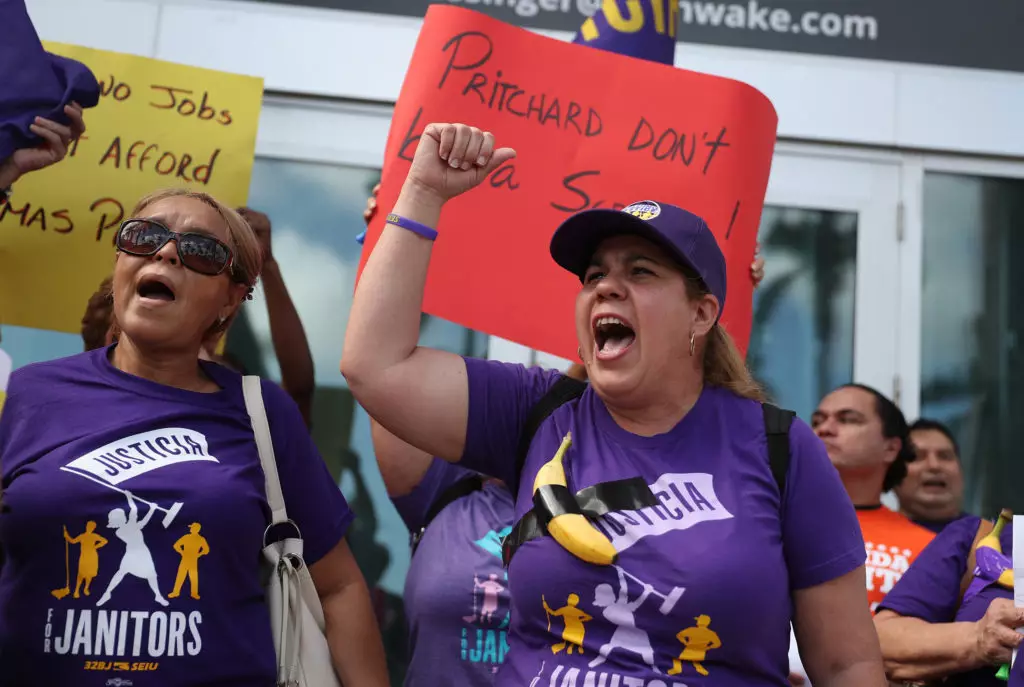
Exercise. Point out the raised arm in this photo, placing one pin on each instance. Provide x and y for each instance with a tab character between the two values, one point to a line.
145	519
402	466
418	394
639	601
286	331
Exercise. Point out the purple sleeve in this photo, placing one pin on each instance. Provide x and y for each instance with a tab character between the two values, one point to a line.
500	398
313	500
821	536
413	507
930	588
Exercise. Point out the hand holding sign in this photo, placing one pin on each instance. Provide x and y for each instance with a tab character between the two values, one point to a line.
56	140
157	124
453	158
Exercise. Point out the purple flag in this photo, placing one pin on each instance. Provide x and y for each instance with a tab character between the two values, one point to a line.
34	82
645	29
990	564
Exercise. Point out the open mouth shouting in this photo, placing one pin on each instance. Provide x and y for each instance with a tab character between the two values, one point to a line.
155	290
613	337
934	484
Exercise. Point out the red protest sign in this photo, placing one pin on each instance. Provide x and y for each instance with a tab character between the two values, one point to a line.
591	129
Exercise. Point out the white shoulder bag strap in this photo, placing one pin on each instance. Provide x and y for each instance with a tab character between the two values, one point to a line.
296	615
281	595
253	391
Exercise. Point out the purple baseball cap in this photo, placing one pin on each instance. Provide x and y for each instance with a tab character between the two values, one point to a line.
683	234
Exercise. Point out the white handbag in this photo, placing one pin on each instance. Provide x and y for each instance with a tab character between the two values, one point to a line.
296	616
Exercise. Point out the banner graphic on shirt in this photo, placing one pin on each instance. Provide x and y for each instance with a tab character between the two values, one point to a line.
591	129
686	499
101	560
141	453
158	124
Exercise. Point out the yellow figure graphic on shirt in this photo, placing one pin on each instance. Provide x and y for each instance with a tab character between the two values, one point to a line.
696	641
572	620
88	557
191	547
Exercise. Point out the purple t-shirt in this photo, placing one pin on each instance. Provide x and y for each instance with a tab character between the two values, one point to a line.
702	588
162	588
456	591
930	589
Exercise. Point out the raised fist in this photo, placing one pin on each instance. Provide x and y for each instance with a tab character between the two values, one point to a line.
453	158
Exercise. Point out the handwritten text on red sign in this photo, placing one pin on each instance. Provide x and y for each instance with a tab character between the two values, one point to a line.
591	129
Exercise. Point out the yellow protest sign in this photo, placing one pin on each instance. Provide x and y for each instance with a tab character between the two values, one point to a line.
157	124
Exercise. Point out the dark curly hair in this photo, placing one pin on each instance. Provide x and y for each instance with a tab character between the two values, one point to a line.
98	317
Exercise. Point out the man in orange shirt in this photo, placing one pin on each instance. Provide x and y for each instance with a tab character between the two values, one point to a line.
868	441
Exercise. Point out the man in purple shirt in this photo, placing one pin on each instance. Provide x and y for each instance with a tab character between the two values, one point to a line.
931	626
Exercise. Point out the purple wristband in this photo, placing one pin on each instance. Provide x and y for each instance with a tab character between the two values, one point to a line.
415	227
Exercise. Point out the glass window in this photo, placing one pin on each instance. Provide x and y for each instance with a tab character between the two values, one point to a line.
801	344
971	310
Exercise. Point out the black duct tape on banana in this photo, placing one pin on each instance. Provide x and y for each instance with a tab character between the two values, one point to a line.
552	500
594	501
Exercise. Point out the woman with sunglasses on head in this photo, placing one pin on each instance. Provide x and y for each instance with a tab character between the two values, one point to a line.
697	580
456	591
148	447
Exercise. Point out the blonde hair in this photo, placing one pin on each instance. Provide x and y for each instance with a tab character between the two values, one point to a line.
723	364
246	253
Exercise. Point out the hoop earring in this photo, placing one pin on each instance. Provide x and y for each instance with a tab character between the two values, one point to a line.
692	342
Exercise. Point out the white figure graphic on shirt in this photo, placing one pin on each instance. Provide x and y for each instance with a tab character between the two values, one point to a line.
620	612
137	560
491	589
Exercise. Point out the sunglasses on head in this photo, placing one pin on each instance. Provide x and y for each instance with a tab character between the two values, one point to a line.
197	251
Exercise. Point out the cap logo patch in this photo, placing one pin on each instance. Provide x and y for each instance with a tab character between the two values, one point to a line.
645	209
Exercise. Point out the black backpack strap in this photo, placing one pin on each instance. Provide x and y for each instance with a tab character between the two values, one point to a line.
560	393
776	427
464	487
